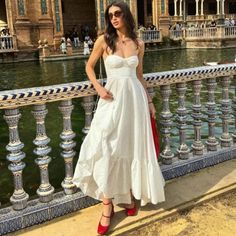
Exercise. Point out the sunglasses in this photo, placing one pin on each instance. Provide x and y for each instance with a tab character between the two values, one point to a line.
117	14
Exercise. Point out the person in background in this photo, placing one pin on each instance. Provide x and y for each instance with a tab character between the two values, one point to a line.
90	44
63	45
86	48
75	36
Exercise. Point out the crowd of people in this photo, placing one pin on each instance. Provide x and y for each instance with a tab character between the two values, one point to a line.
206	24
85	40
78	40
230	22
149	27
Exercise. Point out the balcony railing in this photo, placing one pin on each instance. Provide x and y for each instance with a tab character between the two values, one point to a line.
201	33
194	18
230	32
7	44
216	33
150	36
176	34
192	148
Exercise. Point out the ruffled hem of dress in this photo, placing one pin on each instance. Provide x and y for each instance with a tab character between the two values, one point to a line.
151	191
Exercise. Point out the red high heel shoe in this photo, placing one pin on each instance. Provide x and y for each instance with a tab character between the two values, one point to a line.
131	211
103	229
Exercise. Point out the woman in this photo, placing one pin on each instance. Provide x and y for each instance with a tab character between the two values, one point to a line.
117	161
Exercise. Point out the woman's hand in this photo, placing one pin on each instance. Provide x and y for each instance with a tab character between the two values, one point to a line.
152	110
104	93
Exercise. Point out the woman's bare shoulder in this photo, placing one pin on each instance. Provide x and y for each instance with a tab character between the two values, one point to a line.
100	40
140	43
140	46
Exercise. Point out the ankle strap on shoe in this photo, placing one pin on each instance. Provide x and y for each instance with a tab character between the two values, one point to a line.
106	216
107	203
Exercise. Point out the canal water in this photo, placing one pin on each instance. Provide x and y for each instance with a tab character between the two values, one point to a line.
31	74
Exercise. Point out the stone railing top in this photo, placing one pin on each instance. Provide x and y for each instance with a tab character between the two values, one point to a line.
6	36
37	95
190	74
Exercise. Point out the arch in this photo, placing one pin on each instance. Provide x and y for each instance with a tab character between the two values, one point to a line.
191	7
211	7
171	7
231	7
3	15
79	14
145	12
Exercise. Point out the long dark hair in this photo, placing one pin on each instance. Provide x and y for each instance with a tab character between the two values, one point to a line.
110	34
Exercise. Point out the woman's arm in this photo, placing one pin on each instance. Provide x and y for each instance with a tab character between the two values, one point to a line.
95	55
140	77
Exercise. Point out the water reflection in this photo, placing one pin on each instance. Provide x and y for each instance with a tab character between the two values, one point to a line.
31	74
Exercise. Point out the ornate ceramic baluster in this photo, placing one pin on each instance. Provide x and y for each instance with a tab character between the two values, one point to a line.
19	197
211	106
166	123
183	149
88	105
67	144
197	115
226	139
234	112
151	92
45	190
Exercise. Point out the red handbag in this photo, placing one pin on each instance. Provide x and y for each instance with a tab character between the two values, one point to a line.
155	136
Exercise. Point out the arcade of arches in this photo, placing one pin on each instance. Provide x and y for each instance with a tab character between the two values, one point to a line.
33	20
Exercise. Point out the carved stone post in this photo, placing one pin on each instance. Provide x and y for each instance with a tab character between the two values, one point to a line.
46	49
211	106
197	9
40	48
67	145
45	190
88	105
175	7
226	139
197	123
183	149
180	7
19	197
69	49
166	123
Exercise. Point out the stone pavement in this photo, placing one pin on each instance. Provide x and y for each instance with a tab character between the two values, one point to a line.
181	193
216	217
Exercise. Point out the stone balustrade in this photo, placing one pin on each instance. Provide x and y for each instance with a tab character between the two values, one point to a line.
178	157
230	32
7	44
176	34
150	36
216	33
195	18
201	33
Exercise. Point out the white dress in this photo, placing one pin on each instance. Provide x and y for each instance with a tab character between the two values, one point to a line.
118	153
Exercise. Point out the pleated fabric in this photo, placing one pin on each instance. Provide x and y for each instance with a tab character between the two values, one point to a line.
118	153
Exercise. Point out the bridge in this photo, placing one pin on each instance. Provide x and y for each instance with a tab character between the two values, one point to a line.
192	151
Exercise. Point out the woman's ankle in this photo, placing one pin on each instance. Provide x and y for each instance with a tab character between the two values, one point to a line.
131	205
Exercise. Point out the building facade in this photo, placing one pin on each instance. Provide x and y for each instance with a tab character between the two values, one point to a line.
34	20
